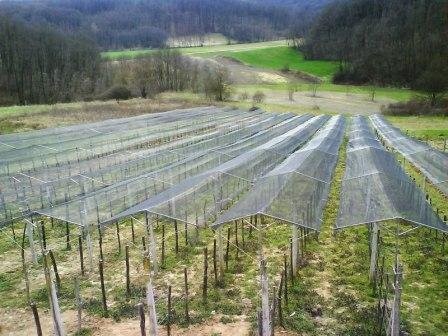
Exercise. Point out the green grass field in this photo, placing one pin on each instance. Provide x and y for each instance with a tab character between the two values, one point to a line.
275	55
194	51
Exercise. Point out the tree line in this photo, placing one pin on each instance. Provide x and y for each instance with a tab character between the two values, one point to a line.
114	24
40	65
384	42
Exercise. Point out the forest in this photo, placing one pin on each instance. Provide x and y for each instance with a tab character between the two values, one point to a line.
387	42
128	24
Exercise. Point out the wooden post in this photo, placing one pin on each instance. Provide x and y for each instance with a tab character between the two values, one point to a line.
152	243
205	282
57	324
81	256
168	321
118	237
141	312
24	267
374	251
78	303
186	234
187	313
36	319
44	236
176	234
29	231
163	245
151	309
295	250
144	244
280	311
394	323
220	254
128	278
215	266
227	249
103	288
132	230
55	269
67	236
265	311
285	279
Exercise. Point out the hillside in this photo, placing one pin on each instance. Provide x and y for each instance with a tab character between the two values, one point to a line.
118	24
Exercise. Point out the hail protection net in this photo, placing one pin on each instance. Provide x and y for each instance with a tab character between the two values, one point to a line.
375	187
199	200
432	162
135	184
296	190
107	171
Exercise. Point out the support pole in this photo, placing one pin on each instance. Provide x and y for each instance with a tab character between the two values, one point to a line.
78	304
374	251
141	312
103	288
151	309
187	313
220	253
152	244
36	319
128	277
265	311
394	323
29	232
295	250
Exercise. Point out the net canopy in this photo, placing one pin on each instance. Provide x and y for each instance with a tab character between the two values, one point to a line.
51	185
199	199
295	191
168	169
38	189
432	162
375	188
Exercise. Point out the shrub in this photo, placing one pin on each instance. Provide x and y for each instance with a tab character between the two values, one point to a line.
116	92
244	96
258	97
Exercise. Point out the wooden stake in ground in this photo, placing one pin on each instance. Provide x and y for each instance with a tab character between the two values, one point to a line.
215	266
128	277
118	237
55	269
163	245
176	236
220	254
36	319
152	243
103	288
187	313
29	231
295	252
67	236
374	251
24	266
132	230
205	282
227	249
81	256
265	310
44	235
394	322
151	309
78	303
141	312
168	318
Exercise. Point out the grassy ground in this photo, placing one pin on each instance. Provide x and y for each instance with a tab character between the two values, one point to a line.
195	51
391	93
25	118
